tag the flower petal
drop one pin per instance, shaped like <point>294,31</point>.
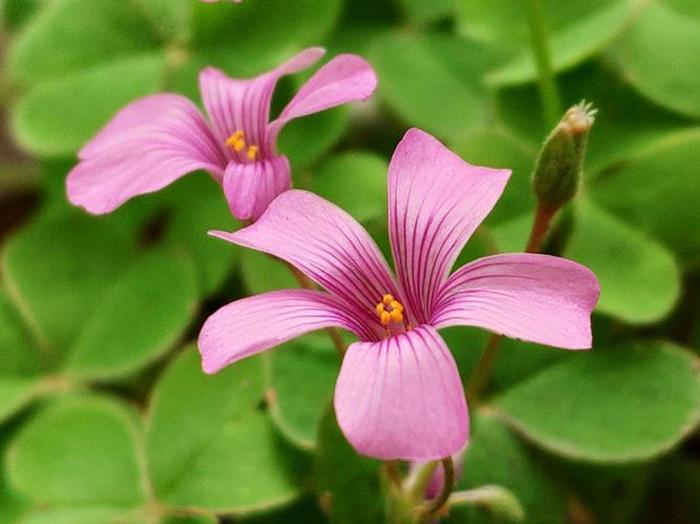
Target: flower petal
<point>146,146</point>
<point>539,298</point>
<point>251,325</point>
<point>402,398</point>
<point>251,187</point>
<point>436,201</point>
<point>326,244</point>
<point>344,79</point>
<point>244,104</point>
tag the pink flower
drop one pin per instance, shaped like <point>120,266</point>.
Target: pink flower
<point>399,395</point>
<point>160,138</point>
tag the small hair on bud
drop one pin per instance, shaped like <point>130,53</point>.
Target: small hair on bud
<point>560,162</point>
<point>579,118</point>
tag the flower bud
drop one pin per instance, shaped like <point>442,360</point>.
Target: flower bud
<point>559,165</point>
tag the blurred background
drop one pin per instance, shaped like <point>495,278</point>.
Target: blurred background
<point>105,416</point>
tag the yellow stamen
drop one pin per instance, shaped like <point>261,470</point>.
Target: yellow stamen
<point>389,310</point>
<point>252,153</point>
<point>385,318</point>
<point>236,141</point>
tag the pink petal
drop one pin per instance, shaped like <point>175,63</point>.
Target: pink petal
<point>146,146</point>
<point>326,244</point>
<point>251,325</point>
<point>251,187</point>
<point>436,201</point>
<point>402,398</point>
<point>539,298</point>
<point>244,104</point>
<point>344,79</point>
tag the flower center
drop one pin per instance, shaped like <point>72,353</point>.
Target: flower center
<point>238,143</point>
<point>389,310</point>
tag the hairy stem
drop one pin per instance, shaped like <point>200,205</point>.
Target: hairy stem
<point>391,470</point>
<point>540,48</point>
<point>482,373</point>
<point>540,226</point>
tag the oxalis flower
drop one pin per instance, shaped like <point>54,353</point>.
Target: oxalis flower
<point>399,395</point>
<point>158,139</point>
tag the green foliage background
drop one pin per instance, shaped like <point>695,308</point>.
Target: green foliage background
<point>105,416</point>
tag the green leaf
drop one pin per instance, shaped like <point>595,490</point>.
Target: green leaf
<point>572,41</point>
<point>613,493</point>
<point>423,11</point>
<point>15,13</point>
<point>15,394</point>
<point>639,278</point>
<point>171,20</point>
<point>303,511</point>
<point>71,35</point>
<point>12,505</point>
<point>417,80</point>
<point>660,56</point>
<point>576,30</point>
<point>517,360</point>
<point>356,181</point>
<point>626,122</point>
<point>197,205</point>
<point>194,519</point>
<point>265,34</point>
<point>498,147</point>
<point>657,179</point>
<point>179,217</point>
<point>346,483</point>
<point>140,318</point>
<point>496,456</point>
<point>305,139</point>
<point>299,371</point>
<point>58,116</point>
<point>81,451</point>
<point>56,272</point>
<point>82,515</point>
<point>209,447</point>
<point>262,273</point>
<point>19,356</point>
<point>612,404</point>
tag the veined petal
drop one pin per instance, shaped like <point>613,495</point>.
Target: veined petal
<point>402,398</point>
<point>251,325</point>
<point>244,104</point>
<point>344,79</point>
<point>251,187</point>
<point>146,146</point>
<point>538,298</point>
<point>436,201</point>
<point>163,117</point>
<point>326,244</point>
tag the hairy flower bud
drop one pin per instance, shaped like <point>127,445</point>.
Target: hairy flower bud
<point>559,165</point>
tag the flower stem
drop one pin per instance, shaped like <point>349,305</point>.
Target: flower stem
<point>540,226</point>
<point>333,333</point>
<point>482,373</point>
<point>391,470</point>
<point>438,502</point>
<point>540,48</point>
